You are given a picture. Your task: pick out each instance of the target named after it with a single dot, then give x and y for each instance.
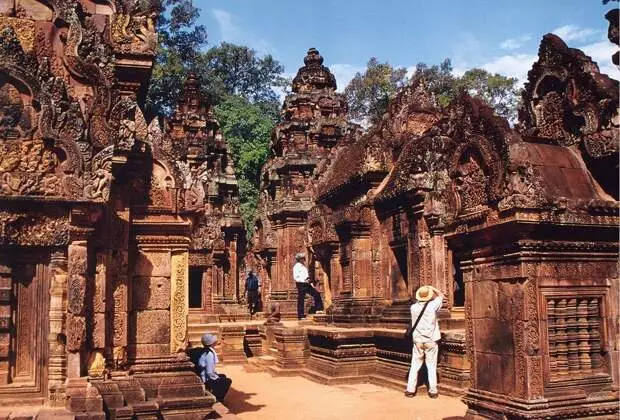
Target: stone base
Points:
(356, 311)
(173, 391)
(486, 405)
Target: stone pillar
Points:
(6, 286)
(234, 269)
(57, 364)
(152, 294)
(96, 364)
(117, 303)
(335, 271)
(361, 264)
(76, 305)
(179, 300)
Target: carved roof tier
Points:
(410, 114)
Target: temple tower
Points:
(313, 124)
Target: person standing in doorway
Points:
(302, 281)
(425, 336)
(252, 291)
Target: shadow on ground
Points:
(237, 402)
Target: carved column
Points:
(76, 303)
(234, 270)
(5, 317)
(57, 364)
(179, 302)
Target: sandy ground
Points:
(260, 396)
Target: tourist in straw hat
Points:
(217, 383)
(425, 336)
(302, 281)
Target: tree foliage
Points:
(230, 69)
(180, 40)
(247, 128)
(368, 94)
(238, 82)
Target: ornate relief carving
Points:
(566, 99)
(33, 229)
(179, 304)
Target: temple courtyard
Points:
(260, 396)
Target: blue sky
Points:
(500, 36)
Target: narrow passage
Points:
(260, 396)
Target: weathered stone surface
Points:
(152, 327)
(151, 293)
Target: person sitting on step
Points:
(218, 384)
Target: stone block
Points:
(151, 293)
(152, 327)
(493, 336)
(152, 264)
(485, 299)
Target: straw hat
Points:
(208, 339)
(424, 294)
(300, 256)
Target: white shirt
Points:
(207, 363)
(300, 273)
(428, 327)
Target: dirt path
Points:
(259, 396)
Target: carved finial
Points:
(313, 58)
(314, 75)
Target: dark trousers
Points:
(302, 290)
(253, 301)
(219, 387)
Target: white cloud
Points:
(344, 73)
(601, 52)
(231, 31)
(515, 43)
(515, 65)
(575, 33)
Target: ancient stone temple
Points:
(313, 124)
(104, 219)
(517, 227)
(193, 141)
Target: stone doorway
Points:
(24, 323)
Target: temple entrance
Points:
(195, 287)
(24, 324)
(458, 286)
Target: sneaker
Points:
(320, 312)
(409, 394)
(433, 395)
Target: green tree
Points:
(247, 128)
(180, 40)
(368, 94)
(230, 69)
(439, 80)
(499, 91)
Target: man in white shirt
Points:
(425, 337)
(302, 281)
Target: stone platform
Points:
(331, 354)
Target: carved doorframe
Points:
(29, 347)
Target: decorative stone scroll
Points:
(179, 305)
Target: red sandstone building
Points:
(120, 239)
